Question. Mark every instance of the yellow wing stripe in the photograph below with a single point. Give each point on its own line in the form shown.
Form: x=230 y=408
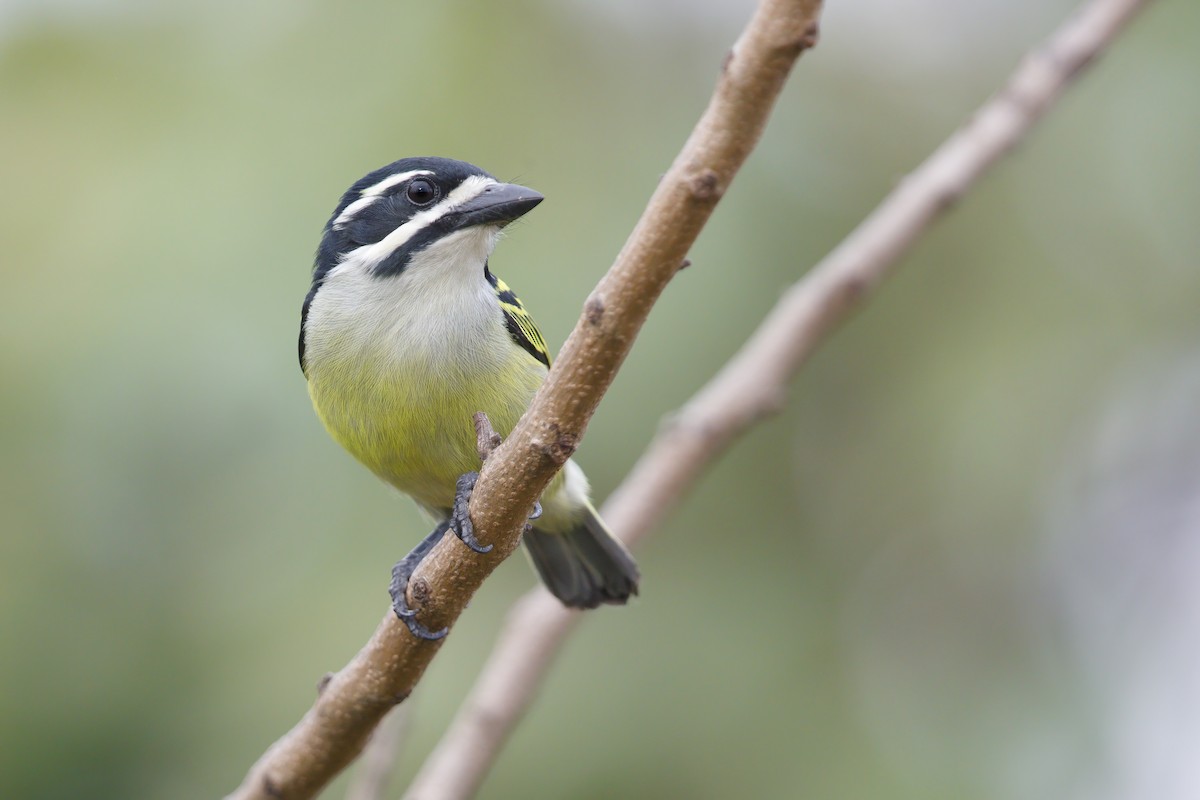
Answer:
x=521 y=326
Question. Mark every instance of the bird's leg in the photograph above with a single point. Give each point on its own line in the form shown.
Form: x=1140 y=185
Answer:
x=402 y=572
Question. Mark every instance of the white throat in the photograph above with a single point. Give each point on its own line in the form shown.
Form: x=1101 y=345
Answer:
x=439 y=312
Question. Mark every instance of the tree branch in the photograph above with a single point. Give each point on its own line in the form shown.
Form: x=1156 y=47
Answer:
x=351 y=702
x=753 y=384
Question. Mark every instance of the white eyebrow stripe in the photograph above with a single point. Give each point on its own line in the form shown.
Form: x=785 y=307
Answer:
x=370 y=255
x=372 y=193
x=390 y=181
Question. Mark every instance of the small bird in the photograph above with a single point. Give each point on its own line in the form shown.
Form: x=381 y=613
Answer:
x=406 y=333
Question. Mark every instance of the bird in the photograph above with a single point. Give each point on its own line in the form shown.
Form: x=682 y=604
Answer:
x=405 y=333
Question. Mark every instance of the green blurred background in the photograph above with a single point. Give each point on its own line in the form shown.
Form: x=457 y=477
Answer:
x=964 y=562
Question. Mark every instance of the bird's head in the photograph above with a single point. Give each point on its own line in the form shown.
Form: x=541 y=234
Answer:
x=420 y=211
x=417 y=229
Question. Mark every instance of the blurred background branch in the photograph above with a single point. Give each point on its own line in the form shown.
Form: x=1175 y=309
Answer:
x=754 y=383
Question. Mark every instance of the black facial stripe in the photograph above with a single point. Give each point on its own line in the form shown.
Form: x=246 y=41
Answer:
x=373 y=223
x=304 y=321
x=396 y=261
x=369 y=225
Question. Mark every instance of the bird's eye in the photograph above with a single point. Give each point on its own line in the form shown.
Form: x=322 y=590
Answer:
x=421 y=192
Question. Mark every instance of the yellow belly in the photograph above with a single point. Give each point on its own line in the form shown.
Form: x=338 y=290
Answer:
x=411 y=424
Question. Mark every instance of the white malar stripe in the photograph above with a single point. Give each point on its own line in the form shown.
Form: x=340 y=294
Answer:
x=372 y=193
x=368 y=256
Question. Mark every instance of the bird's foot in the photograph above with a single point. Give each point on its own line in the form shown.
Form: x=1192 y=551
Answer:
x=460 y=517
x=402 y=573
x=460 y=523
x=535 y=514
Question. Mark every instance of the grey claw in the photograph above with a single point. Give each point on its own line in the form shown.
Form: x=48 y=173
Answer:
x=460 y=517
x=398 y=588
x=421 y=632
x=408 y=615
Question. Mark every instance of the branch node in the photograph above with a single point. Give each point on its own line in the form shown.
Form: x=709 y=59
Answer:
x=705 y=185
x=811 y=36
x=594 y=310
x=687 y=262
x=855 y=287
x=269 y=787
x=486 y=438
x=561 y=446
x=321 y=684
x=946 y=198
x=419 y=589
x=774 y=402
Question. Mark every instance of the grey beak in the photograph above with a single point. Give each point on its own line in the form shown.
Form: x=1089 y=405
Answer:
x=498 y=204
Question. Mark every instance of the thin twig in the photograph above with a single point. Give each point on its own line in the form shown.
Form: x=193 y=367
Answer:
x=753 y=384
x=385 y=671
x=486 y=438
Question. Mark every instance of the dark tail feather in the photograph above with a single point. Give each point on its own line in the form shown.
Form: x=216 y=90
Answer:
x=584 y=566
